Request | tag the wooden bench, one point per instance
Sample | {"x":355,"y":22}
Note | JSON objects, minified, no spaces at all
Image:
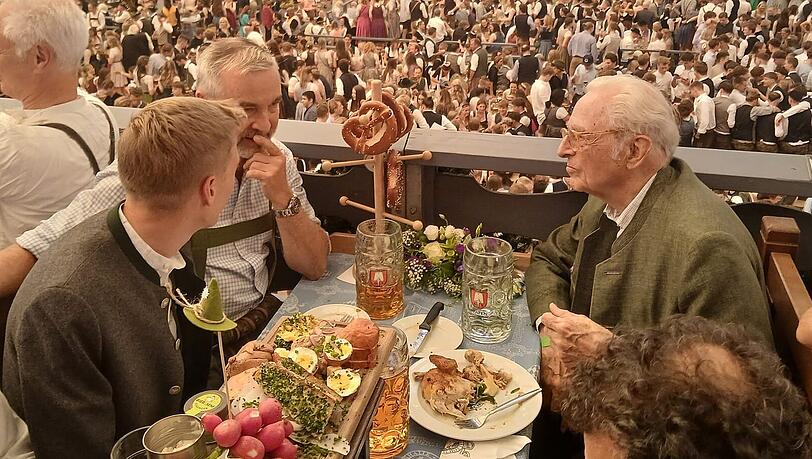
{"x":778,"y":245}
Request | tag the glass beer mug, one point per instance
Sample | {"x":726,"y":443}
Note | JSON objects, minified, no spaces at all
{"x":379,"y":269}
{"x":390,"y":426}
{"x":487,"y":290}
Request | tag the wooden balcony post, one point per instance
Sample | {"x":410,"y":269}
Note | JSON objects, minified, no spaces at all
{"x":778,"y":235}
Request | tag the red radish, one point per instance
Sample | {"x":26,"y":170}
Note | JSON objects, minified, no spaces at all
{"x":288,"y":428}
{"x":227,"y":433}
{"x":250,"y":421}
{"x":210,"y":422}
{"x":271,"y":436}
{"x":248,"y":448}
{"x":271,"y":411}
{"x":285,"y":451}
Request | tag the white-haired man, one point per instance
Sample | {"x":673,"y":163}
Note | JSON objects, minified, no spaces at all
{"x":93,"y":335}
{"x":268,"y":200}
{"x":652,"y":240}
{"x":53,"y":148}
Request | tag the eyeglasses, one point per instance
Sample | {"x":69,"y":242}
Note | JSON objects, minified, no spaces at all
{"x":579,"y":139}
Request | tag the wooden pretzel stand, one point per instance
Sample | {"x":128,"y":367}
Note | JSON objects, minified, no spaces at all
{"x":379,"y":123}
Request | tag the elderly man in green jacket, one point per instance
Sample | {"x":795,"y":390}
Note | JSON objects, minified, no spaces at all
{"x":651,"y":241}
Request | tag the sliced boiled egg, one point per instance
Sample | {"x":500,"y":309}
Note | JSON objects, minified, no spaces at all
{"x":344,"y":382}
{"x":282,"y":352}
{"x":337,"y":349}
{"x":305,"y":358}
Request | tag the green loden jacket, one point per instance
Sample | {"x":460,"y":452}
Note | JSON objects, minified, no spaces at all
{"x":685,"y":251}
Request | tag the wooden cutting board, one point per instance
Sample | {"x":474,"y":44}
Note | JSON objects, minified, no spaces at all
{"x":369,"y":381}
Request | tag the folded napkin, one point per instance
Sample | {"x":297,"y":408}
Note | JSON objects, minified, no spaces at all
{"x":499,"y":449}
{"x":347,"y":276}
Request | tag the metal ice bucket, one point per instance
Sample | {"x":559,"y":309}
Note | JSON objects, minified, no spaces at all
{"x":169,"y":432}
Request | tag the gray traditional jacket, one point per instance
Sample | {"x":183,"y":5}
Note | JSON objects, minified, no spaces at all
{"x":89,"y":355}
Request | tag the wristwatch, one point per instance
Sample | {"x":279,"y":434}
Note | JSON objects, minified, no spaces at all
{"x":293,"y":208}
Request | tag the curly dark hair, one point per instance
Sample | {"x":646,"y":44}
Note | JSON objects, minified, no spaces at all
{"x":689,"y":388}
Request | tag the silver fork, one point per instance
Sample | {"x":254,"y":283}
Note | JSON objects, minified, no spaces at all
{"x":476,"y":423}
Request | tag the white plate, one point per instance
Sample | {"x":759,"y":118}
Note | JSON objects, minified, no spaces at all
{"x":445,"y":334}
{"x":336,"y":312}
{"x":498,"y":426}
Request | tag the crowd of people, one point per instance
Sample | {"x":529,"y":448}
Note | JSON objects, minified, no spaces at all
{"x":653,"y":294}
{"x":736,"y":71}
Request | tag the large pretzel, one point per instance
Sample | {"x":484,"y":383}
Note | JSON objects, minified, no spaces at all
{"x":397,"y":109}
{"x":373,"y":130}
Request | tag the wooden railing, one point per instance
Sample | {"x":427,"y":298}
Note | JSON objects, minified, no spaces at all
{"x":431,"y":191}
{"x":778,"y":244}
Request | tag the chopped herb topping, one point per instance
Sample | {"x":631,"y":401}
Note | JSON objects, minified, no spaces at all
{"x":280,"y":343}
{"x":307,"y":405}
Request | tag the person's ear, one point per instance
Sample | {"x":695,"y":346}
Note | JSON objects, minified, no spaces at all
{"x":43,"y":55}
{"x":208,"y":191}
{"x":639,"y":150}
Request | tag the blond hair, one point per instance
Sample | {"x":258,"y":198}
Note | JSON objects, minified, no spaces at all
{"x":230,"y":55}
{"x":173,"y":144}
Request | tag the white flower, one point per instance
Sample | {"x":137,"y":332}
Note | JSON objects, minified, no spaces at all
{"x":434,"y":252}
{"x":448,"y":232}
{"x":459,"y":233}
{"x":432,"y":232}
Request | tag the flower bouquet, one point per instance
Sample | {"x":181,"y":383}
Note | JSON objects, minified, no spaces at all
{"x":433,"y":259}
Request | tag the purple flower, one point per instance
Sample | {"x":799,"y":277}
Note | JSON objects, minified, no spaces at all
{"x":458,"y":266}
{"x":491,"y":244}
{"x":466,"y":230}
{"x":460,"y":249}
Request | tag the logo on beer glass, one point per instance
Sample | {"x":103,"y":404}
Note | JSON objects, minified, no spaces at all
{"x":479,"y":298}
{"x":378,"y":277}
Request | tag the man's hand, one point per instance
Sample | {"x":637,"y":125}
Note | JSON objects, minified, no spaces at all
{"x":269,"y":167}
{"x":573,"y":335}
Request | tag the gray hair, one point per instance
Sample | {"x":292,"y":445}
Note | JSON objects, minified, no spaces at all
{"x":58,"y":23}
{"x":637,"y":107}
{"x":230,"y":55}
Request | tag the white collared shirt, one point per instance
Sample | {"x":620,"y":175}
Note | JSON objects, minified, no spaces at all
{"x":42,"y":168}
{"x":161,"y":264}
{"x":624,"y":217}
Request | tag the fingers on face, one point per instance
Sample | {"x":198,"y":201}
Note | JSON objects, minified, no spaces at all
{"x":267,"y":146}
{"x":262,"y":158}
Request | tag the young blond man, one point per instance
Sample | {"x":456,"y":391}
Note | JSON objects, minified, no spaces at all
{"x":94,"y":346}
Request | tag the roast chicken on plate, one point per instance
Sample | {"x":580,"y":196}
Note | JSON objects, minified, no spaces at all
{"x":451,"y":391}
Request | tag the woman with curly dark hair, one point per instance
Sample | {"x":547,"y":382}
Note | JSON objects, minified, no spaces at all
{"x":689,"y":388}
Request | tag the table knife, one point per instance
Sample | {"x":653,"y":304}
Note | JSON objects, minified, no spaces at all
{"x":425,"y":327}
